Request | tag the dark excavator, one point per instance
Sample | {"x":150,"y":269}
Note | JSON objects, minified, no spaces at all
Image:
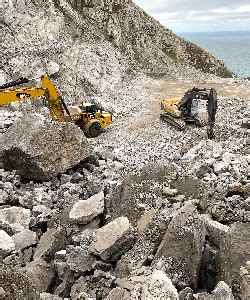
{"x":181,"y":111}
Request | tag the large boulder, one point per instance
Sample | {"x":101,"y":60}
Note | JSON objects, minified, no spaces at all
{"x":180,"y":251}
{"x":51,"y":241}
{"x":40,"y":149}
{"x":113,"y":239}
{"x":239,"y":245}
{"x":135,"y":195}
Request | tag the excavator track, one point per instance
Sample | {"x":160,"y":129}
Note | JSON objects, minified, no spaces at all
{"x":177,"y":123}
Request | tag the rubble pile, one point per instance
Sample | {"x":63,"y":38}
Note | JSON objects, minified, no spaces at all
{"x":173,"y":229}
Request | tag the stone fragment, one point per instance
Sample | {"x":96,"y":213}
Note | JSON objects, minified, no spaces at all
{"x":245,"y":281}
{"x":48,"y":296}
{"x":168,"y":192}
{"x":40,"y":150}
{"x":222,"y":292}
{"x":113,"y":239}
{"x":51,"y":242}
{"x":145,"y":220}
{"x":220,"y":167}
{"x":24,"y":239}
{"x":118,"y":294}
{"x":158,"y":286}
{"x":6,"y":244}
{"x":78,"y":289}
{"x":217,"y":231}
{"x":85,"y":211}
{"x":40,"y":273}
{"x":79,"y":259}
{"x":17,"y":217}
{"x":186,"y":294}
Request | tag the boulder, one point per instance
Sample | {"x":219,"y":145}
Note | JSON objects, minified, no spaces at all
{"x":135,"y":194}
{"x":18,"y":218}
{"x":168,"y":192}
{"x":6,"y":244}
{"x":24,"y":239}
{"x":113,"y":239}
{"x":78,"y":289}
{"x":151,"y":227}
{"x":245,"y":281}
{"x":85,"y":211}
{"x":79,"y":259}
{"x":159,"y":286}
{"x":222,"y":292}
{"x":239,"y":246}
{"x":51,"y":242}
{"x":40,"y":149}
{"x":182,"y":244}
{"x":40,"y":273}
{"x":118,"y":294}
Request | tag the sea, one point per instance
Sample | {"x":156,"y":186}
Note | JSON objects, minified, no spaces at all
{"x":233,"y":47}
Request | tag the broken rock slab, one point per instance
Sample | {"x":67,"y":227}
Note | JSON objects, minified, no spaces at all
{"x":182,"y":245}
{"x":222,"y":292}
{"x":51,"y":241}
{"x":79,"y":259}
{"x":40,"y":149}
{"x":6,"y":244}
{"x":40,"y":273}
{"x":18,"y":218}
{"x":159,"y":286}
{"x":85,"y":211}
{"x":24,"y":239}
{"x":113,"y":239}
{"x":118,"y":294}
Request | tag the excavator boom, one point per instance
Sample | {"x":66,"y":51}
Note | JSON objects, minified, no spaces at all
{"x":48,"y":90}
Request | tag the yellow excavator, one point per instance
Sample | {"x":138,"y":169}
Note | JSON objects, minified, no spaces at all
{"x":87,"y":116}
{"x":181,"y":111}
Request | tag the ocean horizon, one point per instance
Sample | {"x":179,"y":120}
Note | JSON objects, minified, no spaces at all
{"x":233,"y":47}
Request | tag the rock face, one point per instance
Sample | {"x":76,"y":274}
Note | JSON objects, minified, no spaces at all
{"x":113,"y":239}
{"x":119,"y":37}
{"x":40,"y":150}
{"x":84,"y":211}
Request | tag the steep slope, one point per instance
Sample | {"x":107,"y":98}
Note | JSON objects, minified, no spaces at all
{"x":94,"y":45}
{"x":141,"y":38}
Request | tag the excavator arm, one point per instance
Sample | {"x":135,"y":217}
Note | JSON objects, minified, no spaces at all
{"x":48,"y":90}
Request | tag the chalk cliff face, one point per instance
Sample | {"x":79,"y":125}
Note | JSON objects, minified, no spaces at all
{"x":143,"y":39}
{"x":93,"y":43}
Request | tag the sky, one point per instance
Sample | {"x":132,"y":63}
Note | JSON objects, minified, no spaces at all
{"x":199,"y":15}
